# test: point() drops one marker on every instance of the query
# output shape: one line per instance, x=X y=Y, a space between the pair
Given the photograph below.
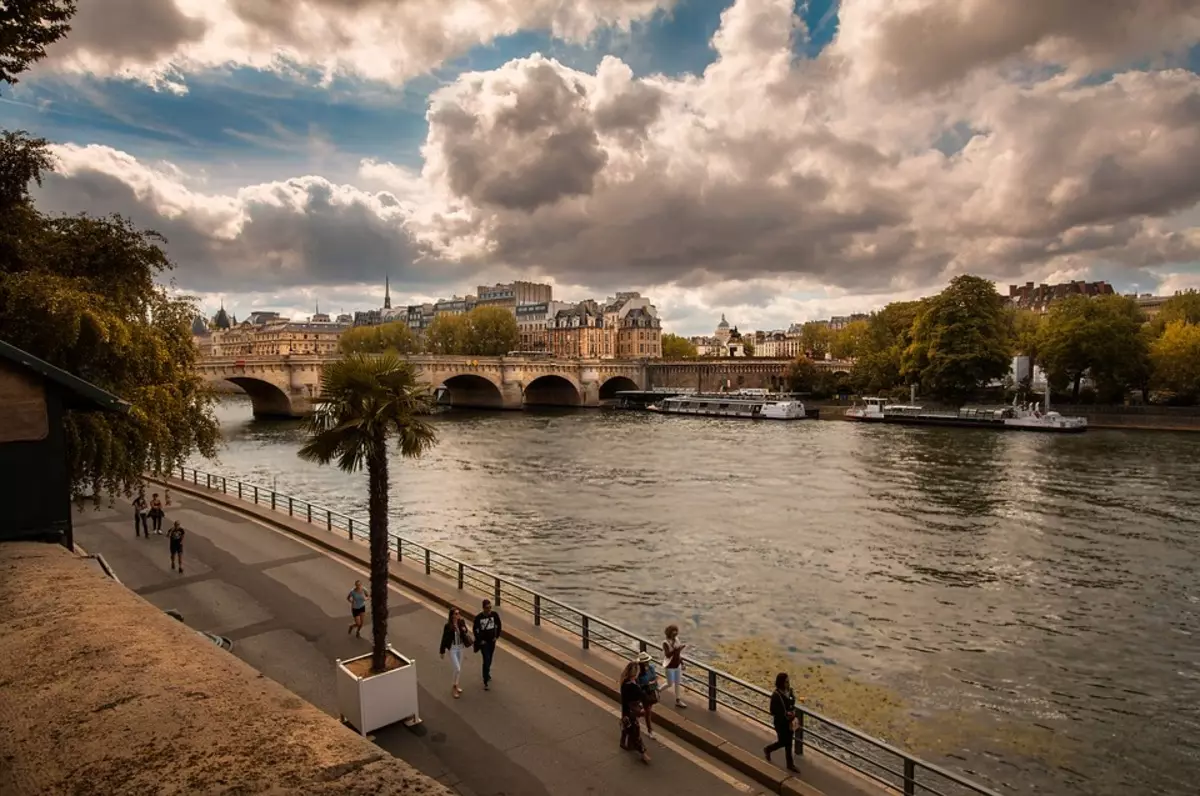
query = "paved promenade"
x=282 y=602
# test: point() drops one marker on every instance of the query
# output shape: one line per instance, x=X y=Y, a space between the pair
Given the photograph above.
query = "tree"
x=815 y=339
x=889 y=332
x=491 y=332
x=365 y=400
x=1176 y=359
x=960 y=340
x=1180 y=307
x=748 y=345
x=27 y=27
x=447 y=334
x=676 y=347
x=394 y=336
x=81 y=293
x=1100 y=337
x=802 y=375
x=850 y=341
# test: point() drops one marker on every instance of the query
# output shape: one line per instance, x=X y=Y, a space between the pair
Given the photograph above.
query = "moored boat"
x=752 y=407
x=1008 y=418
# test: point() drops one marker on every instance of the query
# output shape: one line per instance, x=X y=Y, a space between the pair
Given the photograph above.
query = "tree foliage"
x=447 y=334
x=816 y=339
x=27 y=28
x=960 y=340
x=1176 y=359
x=1097 y=337
x=491 y=332
x=394 y=336
x=367 y=400
x=802 y=375
x=851 y=340
x=889 y=333
x=676 y=347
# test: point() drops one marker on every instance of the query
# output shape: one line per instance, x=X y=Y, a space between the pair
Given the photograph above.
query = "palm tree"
x=365 y=399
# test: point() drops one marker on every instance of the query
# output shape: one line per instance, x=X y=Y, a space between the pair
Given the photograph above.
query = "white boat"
x=753 y=407
x=1010 y=418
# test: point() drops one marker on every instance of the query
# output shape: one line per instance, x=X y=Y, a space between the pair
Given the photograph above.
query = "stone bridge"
x=285 y=386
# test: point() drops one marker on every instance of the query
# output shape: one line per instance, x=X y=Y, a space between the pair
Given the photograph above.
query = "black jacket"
x=781 y=706
x=448 y=635
x=487 y=628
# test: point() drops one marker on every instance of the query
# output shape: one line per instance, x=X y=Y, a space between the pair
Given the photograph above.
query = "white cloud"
x=767 y=186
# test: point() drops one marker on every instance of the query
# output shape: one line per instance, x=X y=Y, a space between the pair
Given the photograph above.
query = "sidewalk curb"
x=737 y=758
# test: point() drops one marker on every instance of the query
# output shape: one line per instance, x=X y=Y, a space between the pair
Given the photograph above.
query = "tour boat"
x=753 y=407
x=1009 y=418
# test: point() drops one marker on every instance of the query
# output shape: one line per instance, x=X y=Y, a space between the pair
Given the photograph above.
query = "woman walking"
x=673 y=660
x=647 y=680
x=175 y=536
x=156 y=513
x=631 y=708
x=358 y=607
x=456 y=637
x=783 y=716
x=139 y=516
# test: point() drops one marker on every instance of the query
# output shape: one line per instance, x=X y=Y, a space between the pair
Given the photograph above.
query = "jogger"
x=175 y=535
x=358 y=607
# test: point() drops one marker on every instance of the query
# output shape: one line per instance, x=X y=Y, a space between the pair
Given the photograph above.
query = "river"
x=1022 y=608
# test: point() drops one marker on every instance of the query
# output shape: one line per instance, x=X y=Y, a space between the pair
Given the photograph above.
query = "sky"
x=772 y=160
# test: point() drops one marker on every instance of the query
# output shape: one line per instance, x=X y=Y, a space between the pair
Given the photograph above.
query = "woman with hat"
x=647 y=680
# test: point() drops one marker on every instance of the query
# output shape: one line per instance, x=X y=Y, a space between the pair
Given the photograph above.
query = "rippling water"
x=1028 y=602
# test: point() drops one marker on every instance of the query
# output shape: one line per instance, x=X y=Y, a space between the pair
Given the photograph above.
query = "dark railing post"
x=182 y=473
x=799 y=745
x=460 y=575
x=587 y=642
x=224 y=486
x=399 y=549
x=256 y=496
x=910 y=777
x=239 y=490
x=537 y=609
x=208 y=480
x=641 y=645
x=427 y=563
x=350 y=528
x=328 y=520
x=272 y=500
x=290 y=506
x=712 y=690
x=497 y=594
x=195 y=476
x=309 y=505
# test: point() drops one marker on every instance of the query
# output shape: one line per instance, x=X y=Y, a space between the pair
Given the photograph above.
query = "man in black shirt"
x=487 y=632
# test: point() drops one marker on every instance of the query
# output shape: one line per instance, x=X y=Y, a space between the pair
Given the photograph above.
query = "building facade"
x=1039 y=298
x=513 y=294
x=577 y=332
x=533 y=321
x=278 y=338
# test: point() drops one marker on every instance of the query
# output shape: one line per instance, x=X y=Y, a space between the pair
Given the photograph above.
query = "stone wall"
x=101 y=692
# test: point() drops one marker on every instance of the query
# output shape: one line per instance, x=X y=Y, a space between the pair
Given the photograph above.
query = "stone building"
x=532 y=321
x=577 y=332
x=725 y=342
x=277 y=338
x=1039 y=298
x=514 y=294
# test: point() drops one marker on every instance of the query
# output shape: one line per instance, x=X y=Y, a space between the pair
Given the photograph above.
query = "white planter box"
x=373 y=701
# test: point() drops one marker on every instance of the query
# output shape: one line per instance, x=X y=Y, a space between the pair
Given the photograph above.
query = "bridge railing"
x=890 y=767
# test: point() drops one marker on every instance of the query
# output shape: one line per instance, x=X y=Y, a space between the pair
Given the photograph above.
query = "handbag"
x=650 y=694
x=794 y=723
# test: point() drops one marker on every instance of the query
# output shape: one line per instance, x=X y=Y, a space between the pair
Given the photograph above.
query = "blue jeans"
x=487 y=649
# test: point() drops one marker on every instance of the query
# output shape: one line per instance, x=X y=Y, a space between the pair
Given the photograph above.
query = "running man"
x=358 y=607
x=175 y=536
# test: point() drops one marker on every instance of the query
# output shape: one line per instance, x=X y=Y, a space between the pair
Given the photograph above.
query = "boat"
x=762 y=406
x=1009 y=418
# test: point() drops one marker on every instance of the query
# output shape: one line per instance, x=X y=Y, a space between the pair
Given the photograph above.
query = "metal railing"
x=875 y=759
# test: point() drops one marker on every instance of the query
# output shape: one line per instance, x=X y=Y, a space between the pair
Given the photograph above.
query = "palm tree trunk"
x=377 y=509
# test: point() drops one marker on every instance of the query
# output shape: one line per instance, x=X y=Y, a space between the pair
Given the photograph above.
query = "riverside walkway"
x=276 y=585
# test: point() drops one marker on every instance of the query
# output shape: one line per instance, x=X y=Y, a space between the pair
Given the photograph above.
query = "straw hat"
x=643 y=657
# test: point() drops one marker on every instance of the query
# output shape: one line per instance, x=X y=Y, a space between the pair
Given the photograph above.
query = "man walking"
x=487 y=633
x=358 y=606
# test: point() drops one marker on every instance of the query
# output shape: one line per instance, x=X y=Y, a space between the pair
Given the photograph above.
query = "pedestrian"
x=358 y=607
x=631 y=709
x=783 y=716
x=673 y=661
x=487 y=633
x=647 y=680
x=156 y=513
x=175 y=536
x=455 y=637
x=139 y=516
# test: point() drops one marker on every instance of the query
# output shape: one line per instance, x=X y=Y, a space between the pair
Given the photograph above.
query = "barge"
x=1008 y=418
x=735 y=405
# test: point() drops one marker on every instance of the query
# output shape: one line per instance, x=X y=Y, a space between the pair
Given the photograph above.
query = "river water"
x=1019 y=607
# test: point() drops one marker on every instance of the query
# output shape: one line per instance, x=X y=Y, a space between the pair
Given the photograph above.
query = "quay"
x=290 y=586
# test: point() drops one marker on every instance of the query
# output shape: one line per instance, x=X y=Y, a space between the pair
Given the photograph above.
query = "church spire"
x=387 y=292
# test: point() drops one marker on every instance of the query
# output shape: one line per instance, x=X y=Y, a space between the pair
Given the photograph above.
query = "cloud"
x=388 y=40
x=765 y=173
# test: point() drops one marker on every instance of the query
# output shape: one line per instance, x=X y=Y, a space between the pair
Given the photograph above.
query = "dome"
x=724 y=324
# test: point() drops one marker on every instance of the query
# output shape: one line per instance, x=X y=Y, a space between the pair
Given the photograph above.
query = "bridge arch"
x=267 y=399
x=552 y=390
x=471 y=391
x=614 y=384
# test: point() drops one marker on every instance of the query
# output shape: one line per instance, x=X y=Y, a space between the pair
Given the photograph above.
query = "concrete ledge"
x=102 y=693
x=746 y=762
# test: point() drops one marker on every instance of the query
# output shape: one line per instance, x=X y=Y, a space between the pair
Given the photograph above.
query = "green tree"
x=366 y=400
x=27 y=27
x=447 y=334
x=394 y=336
x=849 y=341
x=1182 y=307
x=960 y=340
x=491 y=332
x=1175 y=356
x=748 y=345
x=676 y=347
x=802 y=375
x=889 y=333
x=1100 y=337
x=81 y=293
x=815 y=338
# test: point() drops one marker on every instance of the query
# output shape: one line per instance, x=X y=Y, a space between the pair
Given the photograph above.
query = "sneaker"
x=680 y=704
x=487 y=687
x=651 y=735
